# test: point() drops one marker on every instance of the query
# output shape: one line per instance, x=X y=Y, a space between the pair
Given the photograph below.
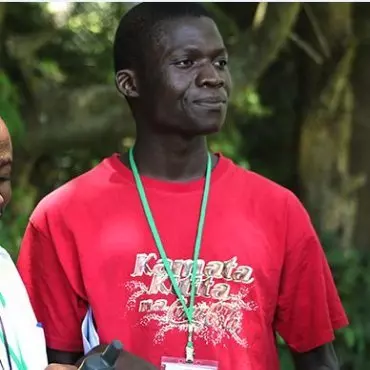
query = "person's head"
x=6 y=157
x=171 y=65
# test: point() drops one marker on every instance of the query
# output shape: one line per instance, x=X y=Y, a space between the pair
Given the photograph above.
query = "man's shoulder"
x=260 y=185
x=4 y=255
x=264 y=194
x=7 y=267
x=74 y=192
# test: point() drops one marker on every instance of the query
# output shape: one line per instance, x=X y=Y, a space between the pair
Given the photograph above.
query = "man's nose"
x=210 y=76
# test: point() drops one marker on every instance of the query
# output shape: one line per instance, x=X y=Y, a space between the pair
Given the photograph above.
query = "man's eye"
x=221 y=63
x=185 y=63
x=4 y=178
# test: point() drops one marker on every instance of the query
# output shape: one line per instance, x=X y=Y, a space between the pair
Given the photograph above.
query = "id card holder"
x=176 y=363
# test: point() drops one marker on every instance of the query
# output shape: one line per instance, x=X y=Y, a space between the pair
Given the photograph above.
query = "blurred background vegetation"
x=299 y=115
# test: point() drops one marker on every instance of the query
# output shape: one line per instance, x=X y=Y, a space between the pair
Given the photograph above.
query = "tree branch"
x=259 y=47
x=307 y=48
x=76 y=118
x=97 y=133
x=329 y=98
x=323 y=42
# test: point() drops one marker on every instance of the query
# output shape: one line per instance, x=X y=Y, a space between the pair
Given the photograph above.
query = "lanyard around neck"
x=17 y=359
x=188 y=310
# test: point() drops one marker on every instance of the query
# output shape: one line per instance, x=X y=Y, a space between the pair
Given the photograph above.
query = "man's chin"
x=193 y=129
x=207 y=129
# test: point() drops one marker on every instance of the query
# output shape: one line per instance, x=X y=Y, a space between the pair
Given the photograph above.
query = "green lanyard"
x=189 y=311
x=18 y=360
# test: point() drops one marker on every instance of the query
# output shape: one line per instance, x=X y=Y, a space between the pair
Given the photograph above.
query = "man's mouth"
x=211 y=102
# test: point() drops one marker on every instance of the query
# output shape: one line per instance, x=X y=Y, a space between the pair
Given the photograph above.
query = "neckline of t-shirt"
x=221 y=168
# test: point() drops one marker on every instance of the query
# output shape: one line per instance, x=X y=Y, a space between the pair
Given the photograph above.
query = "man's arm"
x=49 y=268
x=321 y=358
x=309 y=310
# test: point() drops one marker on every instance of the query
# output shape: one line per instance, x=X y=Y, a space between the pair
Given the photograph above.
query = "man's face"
x=5 y=167
x=188 y=89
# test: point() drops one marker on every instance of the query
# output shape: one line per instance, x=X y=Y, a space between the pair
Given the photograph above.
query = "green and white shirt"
x=22 y=342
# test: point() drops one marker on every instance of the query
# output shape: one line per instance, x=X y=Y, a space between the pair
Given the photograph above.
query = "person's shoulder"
x=74 y=192
x=273 y=201
x=275 y=196
x=6 y=264
x=259 y=185
x=4 y=255
x=258 y=192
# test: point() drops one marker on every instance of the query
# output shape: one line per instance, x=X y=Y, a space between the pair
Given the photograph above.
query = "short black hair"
x=137 y=30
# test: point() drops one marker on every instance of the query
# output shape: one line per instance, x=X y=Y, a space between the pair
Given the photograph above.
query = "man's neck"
x=171 y=158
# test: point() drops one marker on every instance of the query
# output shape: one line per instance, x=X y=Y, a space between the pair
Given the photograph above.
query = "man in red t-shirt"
x=178 y=252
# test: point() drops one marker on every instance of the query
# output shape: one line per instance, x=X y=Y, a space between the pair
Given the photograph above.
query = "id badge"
x=176 y=363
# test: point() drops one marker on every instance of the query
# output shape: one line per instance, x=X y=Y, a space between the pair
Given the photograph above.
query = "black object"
x=103 y=361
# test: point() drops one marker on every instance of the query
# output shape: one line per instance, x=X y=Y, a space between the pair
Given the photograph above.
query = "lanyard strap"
x=18 y=360
x=188 y=310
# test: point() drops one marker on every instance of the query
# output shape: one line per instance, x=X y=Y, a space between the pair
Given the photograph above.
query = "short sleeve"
x=49 y=269
x=309 y=308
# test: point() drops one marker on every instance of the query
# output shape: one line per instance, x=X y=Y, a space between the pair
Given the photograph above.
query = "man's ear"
x=126 y=82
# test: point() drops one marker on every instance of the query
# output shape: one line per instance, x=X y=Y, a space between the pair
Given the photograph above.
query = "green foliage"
x=249 y=102
x=231 y=141
x=9 y=110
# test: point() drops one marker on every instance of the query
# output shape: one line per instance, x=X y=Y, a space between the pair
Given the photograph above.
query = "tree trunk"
x=329 y=191
x=360 y=155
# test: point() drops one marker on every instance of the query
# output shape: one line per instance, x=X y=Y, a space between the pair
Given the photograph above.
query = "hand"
x=61 y=367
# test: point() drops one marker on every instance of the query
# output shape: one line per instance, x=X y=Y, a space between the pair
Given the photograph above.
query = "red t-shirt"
x=261 y=270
